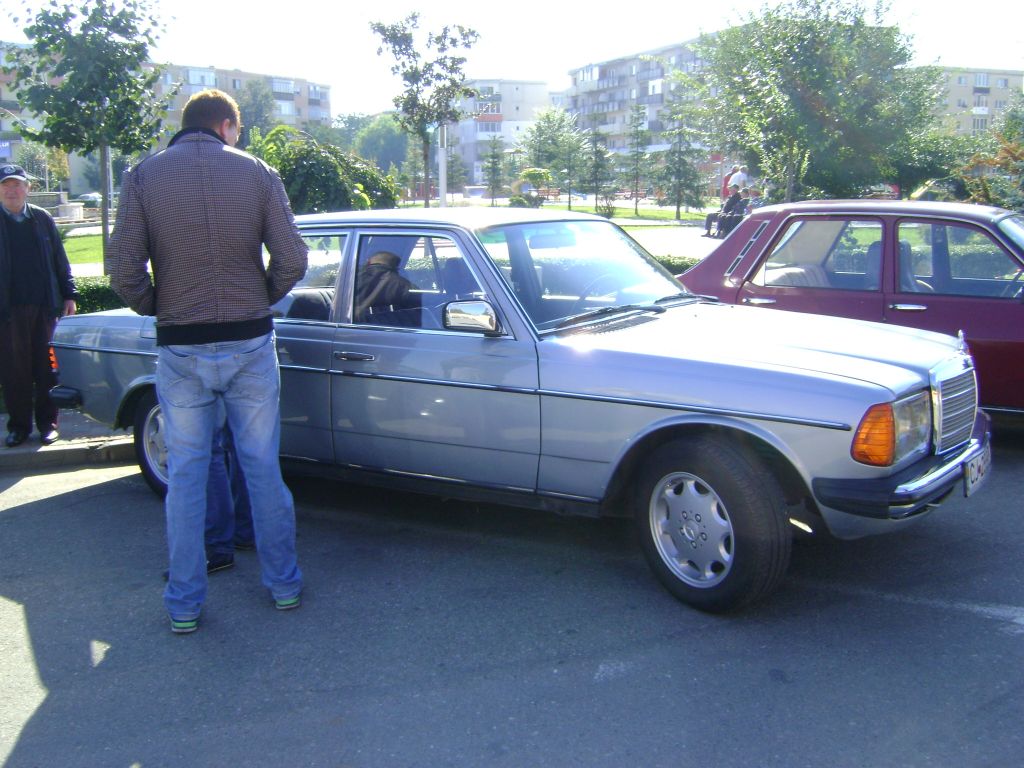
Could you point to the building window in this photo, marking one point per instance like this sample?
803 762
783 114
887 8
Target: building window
980 100
490 108
236 84
488 127
962 103
980 125
279 85
1000 103
204 77
314 91
981 79
961 80
1002 82
285 108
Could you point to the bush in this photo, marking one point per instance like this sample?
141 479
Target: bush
96 295
525 201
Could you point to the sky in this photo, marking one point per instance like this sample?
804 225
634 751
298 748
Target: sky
331 43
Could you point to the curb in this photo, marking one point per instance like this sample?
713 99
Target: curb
104 450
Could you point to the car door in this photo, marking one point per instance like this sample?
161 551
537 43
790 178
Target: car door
955 276
305 327
409 396
827 264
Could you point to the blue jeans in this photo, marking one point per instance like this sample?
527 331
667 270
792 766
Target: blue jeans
228 513
193 383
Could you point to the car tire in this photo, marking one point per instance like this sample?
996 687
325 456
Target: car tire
712 524
150 451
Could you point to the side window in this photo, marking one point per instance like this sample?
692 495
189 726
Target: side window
955 260
404 281
843 254
312 298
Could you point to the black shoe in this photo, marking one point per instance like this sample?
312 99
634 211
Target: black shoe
214 564
15 437
244 546
49 438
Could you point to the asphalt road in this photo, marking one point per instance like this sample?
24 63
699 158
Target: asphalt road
445 634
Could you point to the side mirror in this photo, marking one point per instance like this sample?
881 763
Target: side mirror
472 316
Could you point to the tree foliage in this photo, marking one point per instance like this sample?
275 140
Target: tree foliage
321 177
995 175
677 173
554 142
817 91
494 167
382 141
598 170
43 162
433 87
256 104
638 159
84 75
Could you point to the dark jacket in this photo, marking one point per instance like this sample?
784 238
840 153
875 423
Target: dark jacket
61 286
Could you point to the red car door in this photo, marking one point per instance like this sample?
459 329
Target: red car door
825 264
954 277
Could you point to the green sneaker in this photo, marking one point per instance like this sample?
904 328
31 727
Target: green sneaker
184 626
288 603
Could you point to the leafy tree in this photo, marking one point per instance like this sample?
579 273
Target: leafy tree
996 174
343 131
321 177
84 75
433 88
494 167
815 90
413 173
554 142
382 141
48 163
256 103
638 158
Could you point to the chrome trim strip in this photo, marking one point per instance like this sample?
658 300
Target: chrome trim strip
108 350
754 415
287 367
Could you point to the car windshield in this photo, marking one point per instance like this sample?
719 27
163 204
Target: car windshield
560 270
1013 228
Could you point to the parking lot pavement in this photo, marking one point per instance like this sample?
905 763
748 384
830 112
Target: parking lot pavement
82 441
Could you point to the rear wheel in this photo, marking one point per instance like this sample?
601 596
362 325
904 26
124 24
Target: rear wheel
712 524
150 451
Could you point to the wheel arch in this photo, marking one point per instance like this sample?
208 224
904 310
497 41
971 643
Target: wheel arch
133 394
756 444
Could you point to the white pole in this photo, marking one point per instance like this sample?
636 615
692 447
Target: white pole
442 163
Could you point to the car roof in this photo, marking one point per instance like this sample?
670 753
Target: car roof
974 211
472 218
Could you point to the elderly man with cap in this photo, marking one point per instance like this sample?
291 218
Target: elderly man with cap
36 288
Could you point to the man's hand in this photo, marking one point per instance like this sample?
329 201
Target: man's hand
69 307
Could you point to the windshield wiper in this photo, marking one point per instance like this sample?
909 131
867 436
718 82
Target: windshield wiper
677 296
601 311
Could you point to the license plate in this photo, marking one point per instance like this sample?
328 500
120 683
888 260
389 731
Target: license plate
976 471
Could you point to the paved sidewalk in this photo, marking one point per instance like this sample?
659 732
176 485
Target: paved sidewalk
82 441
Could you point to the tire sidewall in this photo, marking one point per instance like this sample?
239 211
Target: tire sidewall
147 409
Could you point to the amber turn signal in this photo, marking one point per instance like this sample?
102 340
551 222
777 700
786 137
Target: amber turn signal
875 440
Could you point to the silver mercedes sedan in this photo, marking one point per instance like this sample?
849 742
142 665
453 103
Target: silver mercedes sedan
546 360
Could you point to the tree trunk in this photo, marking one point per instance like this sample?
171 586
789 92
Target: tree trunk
105 183
426 172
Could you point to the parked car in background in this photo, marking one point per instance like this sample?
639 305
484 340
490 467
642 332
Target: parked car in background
947 267
546 360
90 199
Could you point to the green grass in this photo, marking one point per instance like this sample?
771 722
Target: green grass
84 249
668 213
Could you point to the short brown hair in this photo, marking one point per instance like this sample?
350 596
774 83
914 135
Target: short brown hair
210 108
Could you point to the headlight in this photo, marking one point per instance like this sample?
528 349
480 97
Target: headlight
889 432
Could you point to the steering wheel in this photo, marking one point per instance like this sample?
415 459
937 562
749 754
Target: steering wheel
589 289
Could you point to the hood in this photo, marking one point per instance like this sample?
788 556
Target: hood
737 357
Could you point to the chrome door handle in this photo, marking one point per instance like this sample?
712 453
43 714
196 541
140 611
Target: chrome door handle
758 302
908 307
358 356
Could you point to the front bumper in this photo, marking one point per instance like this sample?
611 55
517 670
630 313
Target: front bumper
914 490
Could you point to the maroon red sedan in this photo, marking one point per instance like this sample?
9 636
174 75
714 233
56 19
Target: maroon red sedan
947 267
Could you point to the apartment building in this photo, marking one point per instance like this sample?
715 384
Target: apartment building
602 95
297 102
975 98
502 108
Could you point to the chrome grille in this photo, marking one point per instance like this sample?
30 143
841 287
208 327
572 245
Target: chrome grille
957 402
